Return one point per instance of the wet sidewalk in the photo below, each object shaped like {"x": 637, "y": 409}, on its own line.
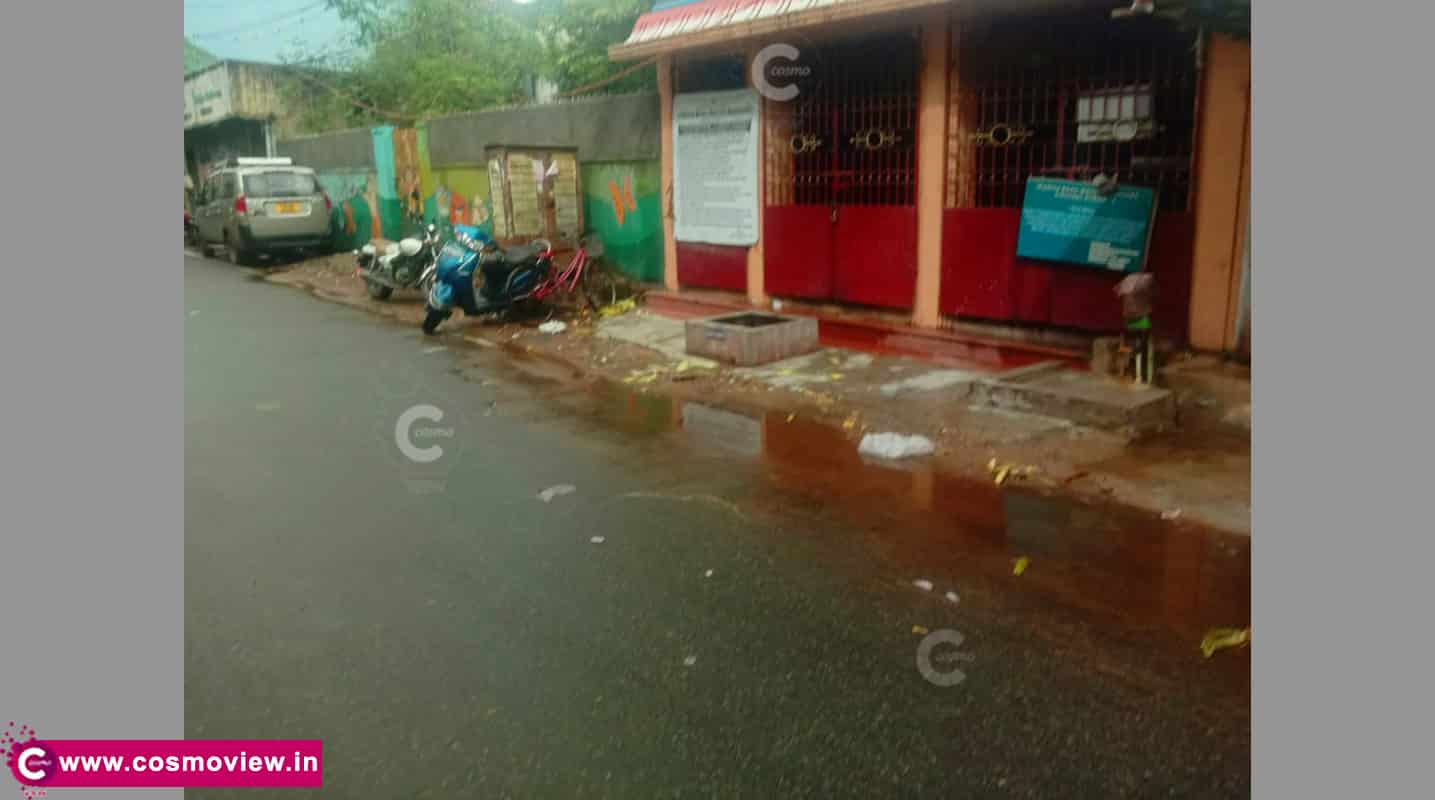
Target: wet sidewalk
{"x": 1063, "y": 432}
{"x": 1176, "y": 452}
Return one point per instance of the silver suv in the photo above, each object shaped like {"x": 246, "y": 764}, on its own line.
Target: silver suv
{"x": 254, "y": 206}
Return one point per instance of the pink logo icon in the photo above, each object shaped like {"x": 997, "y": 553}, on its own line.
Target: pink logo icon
{"x": 30, "y": 760}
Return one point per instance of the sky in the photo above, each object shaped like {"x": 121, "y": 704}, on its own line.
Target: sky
{"x": 263, "y": 30}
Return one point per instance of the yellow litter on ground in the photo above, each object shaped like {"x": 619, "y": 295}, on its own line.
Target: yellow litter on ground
{"x": 1019, "y": 566}
{"x": 618, "y": 308}
{"x": 647, "y": 375}
{"x": 1222, "y": 638}
{"x": 1001, "y": 472}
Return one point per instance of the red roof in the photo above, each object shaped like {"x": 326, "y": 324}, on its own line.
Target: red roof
{"x": 680, "y": 17}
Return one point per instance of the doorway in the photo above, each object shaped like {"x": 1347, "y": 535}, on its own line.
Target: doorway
{"x": 841, "y": 216}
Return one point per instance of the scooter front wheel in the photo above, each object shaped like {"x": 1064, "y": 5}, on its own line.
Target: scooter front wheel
{"x": 433, "y": 319}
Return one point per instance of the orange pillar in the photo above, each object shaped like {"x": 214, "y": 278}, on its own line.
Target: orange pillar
{"x": 665, "y": 101}
{"x": 931, "y": 166}
{"x": 1240, "y": 251}
{"x": 1221, "y": 182}
{"x": 755, "y": 292}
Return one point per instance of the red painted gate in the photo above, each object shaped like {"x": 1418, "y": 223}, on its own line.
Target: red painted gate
{"x": 841, "y": 220}
{"x": 1071, "y": 95}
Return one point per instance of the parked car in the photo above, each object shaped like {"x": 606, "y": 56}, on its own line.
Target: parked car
{"x": 261, "y": 206}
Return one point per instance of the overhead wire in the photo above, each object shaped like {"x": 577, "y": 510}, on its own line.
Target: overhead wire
{"x": 225, "y": 32}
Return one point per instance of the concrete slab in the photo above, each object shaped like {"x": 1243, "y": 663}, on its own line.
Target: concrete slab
{"x": 798, "y": 371}
{"x": 1031, "y": 372}
{"x": 667, "y": 336}
{"x": 1082, "y": 398}
{"x": 932, "y": 381}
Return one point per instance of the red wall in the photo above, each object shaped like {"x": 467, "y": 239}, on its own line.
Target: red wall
{"x": 711, "y": 266}
{"x": 982, "y": 278}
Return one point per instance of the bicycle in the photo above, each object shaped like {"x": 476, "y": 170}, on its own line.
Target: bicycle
{"x": 576, "y": 277}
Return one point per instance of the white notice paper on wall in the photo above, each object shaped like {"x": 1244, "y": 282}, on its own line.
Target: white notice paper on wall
{"x": 715, "y": 189}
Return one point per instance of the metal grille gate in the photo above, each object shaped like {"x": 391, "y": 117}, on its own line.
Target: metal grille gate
{"x": 841, "y": 168}
{"x": 1078, "y": 96}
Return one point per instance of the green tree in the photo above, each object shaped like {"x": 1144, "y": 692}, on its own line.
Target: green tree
{"x": 577, "y": 35}
{"x": 1231, "y": 17}
{"x": 196, "y": 57}
{"x": 413, "y": 59}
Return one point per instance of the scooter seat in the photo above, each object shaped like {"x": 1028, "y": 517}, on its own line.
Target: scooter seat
{"x": 521, "y": 255}
{"x": 410, "y": 247}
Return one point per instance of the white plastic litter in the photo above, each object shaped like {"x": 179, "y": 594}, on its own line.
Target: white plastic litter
{"x": 553, "y": 326}
{"x": 923, "y": 584}
{"x": 690, "y": 661}
{"x": 953, "y": 598}
{"x": 1170, "y": 515}
{"x": 551, "y": 492}
{"x": 598, "y": 540}
{"x": 708, "y": 574}
{"x": 895, "y": 445}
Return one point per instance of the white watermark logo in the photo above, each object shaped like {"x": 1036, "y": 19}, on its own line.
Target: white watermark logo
{"x": 406, "y": 434}
{"x": 927, "y": 658}
{"x": 765, "y": 68}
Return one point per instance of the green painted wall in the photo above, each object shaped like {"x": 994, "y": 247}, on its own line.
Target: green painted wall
{"x": 622, "y": 205}
{"x": 390, "y": 210}
{"x": 426, "y": 177}
{"x": 352, "y": 193}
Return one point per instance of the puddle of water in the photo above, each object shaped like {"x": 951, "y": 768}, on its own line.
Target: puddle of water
{"x": 1110, "y": 560}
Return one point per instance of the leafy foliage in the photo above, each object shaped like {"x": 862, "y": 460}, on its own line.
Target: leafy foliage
{"x": 414, "y": 59}
{"x": 196, "y": 57}
{"x": 1231, "y": 17}
{"x": 577, "y": 34}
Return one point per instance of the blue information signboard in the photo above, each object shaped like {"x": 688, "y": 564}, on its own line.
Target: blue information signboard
{"x": 1074, "y": 223}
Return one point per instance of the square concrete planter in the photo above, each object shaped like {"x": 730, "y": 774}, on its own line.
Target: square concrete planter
{"x": 750, "y": 338}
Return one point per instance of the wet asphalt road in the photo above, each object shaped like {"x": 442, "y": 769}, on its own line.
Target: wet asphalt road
{"x": 449, "y": 634}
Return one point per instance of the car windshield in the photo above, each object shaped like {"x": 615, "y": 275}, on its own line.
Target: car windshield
{"x": 280, "y": 184}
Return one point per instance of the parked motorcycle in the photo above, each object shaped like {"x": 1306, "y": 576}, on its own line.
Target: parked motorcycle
{"x": 509, "y": 277}
{"x": 409, "y": 264}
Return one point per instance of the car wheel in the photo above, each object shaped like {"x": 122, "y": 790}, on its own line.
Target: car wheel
{"x": 237, "y": 255}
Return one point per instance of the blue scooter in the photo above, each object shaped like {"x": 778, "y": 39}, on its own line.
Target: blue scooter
{"x": 509, "y": 276}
